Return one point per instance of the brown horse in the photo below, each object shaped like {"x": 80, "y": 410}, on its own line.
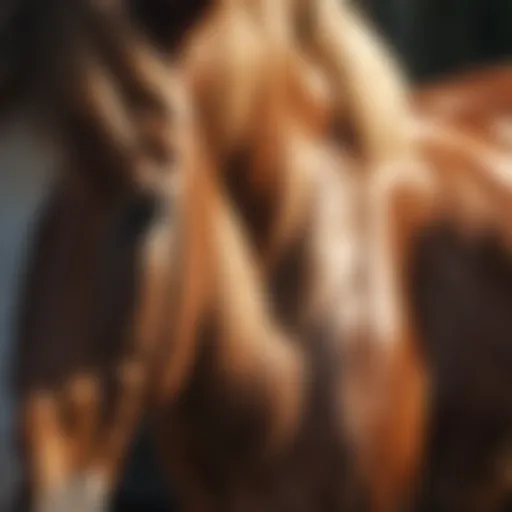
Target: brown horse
{"x": 308, "y": 376}
{"x": 274, "y": 315}
{"x": 92, "y": 101}
{"x": 64, "y": 392}
{"x": 302, "y": 385}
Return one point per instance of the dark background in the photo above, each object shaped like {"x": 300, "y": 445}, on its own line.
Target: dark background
{"x": 433, "y": 38}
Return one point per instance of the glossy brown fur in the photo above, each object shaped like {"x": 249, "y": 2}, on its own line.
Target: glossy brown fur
{"x": 94, "y": 115}
{"x": 263, "y": 400}
{"x": 244, "y": 431}
{"x": 224, "y": 464}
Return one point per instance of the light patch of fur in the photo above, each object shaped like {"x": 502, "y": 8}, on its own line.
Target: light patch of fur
{"x": 385, "y": 302}
{"x": 337, "y": 257}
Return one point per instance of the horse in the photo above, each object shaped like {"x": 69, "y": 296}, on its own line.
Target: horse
{"x": 88, "y": 97}
{"x": 297, "y": 114}
{"x": 310, "y": 380}
{"x": 266, "y": 266}
{"x": 55, "y": 393}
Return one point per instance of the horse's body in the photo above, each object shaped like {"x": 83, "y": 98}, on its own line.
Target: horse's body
{"x": 271, "y": 333}
{"x": 462, "y": 293}
{"x": 85, "y": 85}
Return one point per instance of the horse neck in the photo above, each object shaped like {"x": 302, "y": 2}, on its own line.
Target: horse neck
{"x": 268, "y": 312}
{"x": 257, "y": 215}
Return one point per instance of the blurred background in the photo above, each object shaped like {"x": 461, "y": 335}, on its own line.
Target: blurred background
{"x": 435, "y": 37}
{"x": 432, "y": 37}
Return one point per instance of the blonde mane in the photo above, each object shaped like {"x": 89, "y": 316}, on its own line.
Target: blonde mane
{"x": 242, "y": 41}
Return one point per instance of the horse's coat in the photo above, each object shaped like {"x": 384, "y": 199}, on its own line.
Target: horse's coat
{"x": 271, "y": 151}
{"x": 270, "y": 329}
